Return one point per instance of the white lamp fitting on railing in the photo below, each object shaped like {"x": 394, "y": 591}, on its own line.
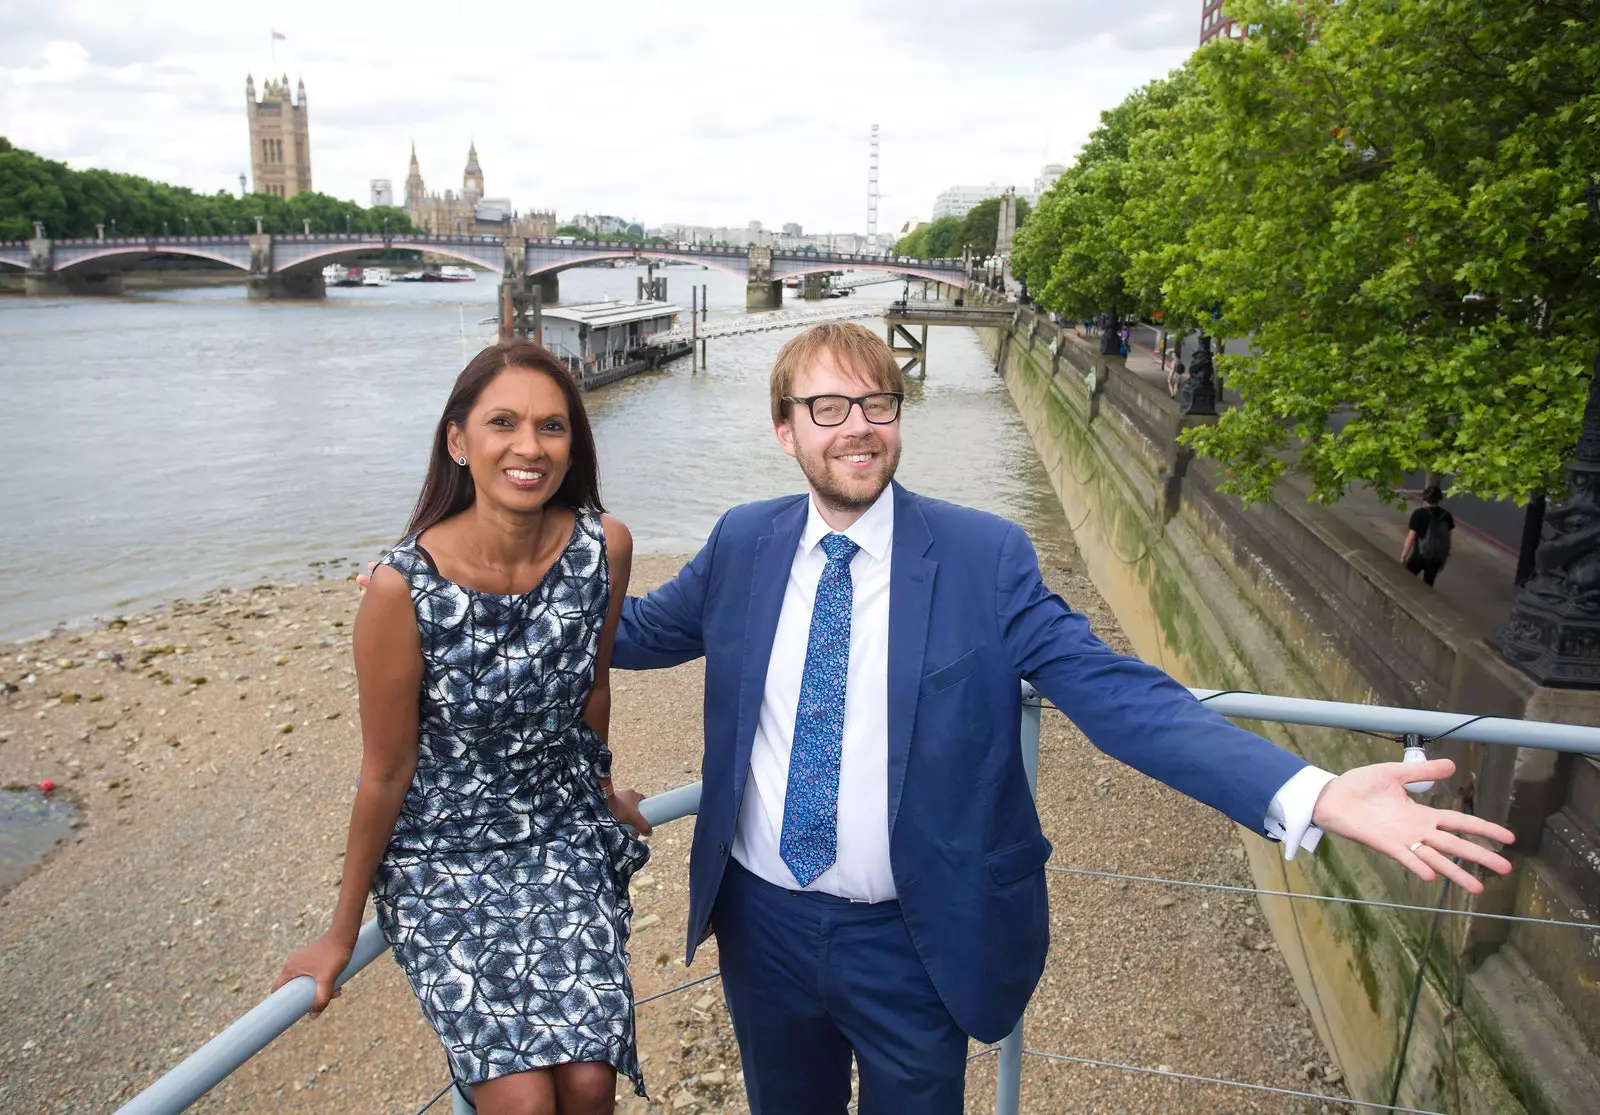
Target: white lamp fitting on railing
{"x": 1416, "y": 753}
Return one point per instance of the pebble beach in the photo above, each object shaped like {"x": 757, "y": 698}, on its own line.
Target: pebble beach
{"x": 211, "y": 748}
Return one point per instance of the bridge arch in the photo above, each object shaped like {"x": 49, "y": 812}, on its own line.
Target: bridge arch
{"x": 733, "y": 264}
{"x": 216, "y": 255}
{"x": 887, "y": 266}
{"x": 18, "y": 264}
{"x": 309, "y": 257}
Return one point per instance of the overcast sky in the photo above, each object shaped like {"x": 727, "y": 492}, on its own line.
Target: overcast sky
{"x": 704, "y": 112}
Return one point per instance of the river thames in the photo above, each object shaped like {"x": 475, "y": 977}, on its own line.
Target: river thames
{"x": 163, "y": 445}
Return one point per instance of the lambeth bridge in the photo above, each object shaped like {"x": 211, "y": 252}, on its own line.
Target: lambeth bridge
{"x": 290, "y": 266}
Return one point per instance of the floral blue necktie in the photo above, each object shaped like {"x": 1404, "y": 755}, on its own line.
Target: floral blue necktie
{"x": 810, "y": 839}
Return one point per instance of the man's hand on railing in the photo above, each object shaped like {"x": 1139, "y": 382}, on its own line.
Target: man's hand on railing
{"x": 1370, "y": 805}
{"x": 322, "y": 960}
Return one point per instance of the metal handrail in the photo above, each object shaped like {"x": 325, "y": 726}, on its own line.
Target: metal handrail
{"x": 218, "y": 1058}
{"x": 1389, "y": 719}
{"x": 258, "y": 1027}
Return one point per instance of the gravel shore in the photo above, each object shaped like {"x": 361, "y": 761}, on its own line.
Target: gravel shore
{"x": 212, "y": 747}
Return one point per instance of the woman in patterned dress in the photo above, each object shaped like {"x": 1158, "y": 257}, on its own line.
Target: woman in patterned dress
{"x": 485, "y": 825}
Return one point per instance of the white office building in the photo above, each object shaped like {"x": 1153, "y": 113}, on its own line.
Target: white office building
{"x": 382, "y": 191}
{"x": 958, "y": 201}
{"x": 1046, "y": 178}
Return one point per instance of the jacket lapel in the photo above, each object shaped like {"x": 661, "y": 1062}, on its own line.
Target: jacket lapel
{"x": 911, "y": 577}
{"x": 769, "y": 579}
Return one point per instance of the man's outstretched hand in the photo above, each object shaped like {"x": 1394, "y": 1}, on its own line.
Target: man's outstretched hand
{"x": 1371, "y": 806}
{"x": 365, "y": 579}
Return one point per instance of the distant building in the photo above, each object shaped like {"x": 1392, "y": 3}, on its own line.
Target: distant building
{"x": 792, "y": 229}
{"x": 1214, "y": 24}
{"x": 1046, "y": 178}
{"x": 601, "y": 224}
{"x": 382, "y": 192}
{"x": 469, "y": 213}
{"x": 280, "y": 138}
{"x": 958, "y": 201}
{"x": 913, "y": 225}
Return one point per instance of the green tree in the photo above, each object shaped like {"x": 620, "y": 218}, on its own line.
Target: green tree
{"x": 1391, "y": 209}
{"x": 71, "y": 203}
{"x": 1387, "y": 200}
{"x": 1075, "y": 255}
{"x": 948, "y": 237}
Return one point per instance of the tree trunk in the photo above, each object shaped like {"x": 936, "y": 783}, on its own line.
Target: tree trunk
{"x": 1111, "y": 340}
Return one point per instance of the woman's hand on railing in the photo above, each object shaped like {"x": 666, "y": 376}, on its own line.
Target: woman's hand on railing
{"x": 625, "y": 807}
{"x": 323, "y": 960}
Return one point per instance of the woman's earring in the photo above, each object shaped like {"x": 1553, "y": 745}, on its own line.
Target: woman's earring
{"x": 462, "y": 460}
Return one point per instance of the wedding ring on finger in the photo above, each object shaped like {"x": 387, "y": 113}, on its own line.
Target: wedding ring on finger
{"x": 1414, "y": 847}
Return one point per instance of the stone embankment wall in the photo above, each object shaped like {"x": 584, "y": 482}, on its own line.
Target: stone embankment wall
{"x": 1285, "y": 598}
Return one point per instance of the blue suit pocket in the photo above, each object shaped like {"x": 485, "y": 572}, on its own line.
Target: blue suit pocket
{"x": 946, "y": 676}
{"x": 1018, "y": 861}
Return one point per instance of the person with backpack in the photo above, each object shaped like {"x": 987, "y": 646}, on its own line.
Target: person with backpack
{"x": 1427, "y": 545}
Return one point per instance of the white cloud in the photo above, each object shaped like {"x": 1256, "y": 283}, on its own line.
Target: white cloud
{"x": 713, "y": 113}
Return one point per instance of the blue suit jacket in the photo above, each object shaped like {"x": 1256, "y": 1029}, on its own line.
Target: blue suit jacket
{"x": 969, "y": 615}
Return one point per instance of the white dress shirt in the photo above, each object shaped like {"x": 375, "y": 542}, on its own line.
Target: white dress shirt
{"x": 860, "y": 869}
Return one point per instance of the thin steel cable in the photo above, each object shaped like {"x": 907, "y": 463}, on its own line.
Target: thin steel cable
{"x": 437, "y": 1096}
{"x": 1588, "y": 925}
{"x": 675, "y": 990}
{"x": 1225, "y": 1083}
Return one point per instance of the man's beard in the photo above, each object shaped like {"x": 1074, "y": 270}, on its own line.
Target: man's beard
{"x": 835, "y": 490}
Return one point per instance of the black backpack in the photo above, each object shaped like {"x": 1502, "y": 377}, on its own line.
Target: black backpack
{"x": 1433, "y": 544}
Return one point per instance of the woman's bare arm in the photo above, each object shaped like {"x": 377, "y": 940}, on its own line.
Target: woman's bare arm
{"x": 388, "y": 655}
{"x": 597, "y": 712}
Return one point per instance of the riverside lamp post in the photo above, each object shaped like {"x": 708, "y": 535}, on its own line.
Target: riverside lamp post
{"x": 1553, "y": 634}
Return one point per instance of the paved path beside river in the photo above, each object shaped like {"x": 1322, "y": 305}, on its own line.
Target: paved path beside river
{"x": 213, "y": 747}
{"x": 1478, "y": 583}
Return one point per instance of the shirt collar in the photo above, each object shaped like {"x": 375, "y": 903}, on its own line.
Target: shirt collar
{"x": 873, "y": 532}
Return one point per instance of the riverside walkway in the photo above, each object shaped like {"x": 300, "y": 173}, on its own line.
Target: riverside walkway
{"x": 1477, "y": 583}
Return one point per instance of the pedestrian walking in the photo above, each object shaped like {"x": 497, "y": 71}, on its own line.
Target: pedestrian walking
{"x": 1427, "y": 545}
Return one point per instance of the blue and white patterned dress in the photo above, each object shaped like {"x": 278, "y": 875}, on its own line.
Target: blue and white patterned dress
{"x": 504, "y": 889}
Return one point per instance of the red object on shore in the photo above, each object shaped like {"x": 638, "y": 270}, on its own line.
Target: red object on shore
{"x": 47, "y": 786}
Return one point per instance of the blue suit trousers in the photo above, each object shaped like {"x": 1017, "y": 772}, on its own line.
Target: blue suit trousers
{"x": 811, "y": 979}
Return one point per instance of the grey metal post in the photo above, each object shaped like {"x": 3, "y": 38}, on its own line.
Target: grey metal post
{"x": 1008, "y": 1072}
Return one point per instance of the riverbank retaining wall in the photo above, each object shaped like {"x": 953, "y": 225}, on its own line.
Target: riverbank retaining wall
{"x": 1285, "y": 598}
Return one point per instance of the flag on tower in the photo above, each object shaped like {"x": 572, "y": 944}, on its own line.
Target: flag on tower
{"x": 279, "y": 36}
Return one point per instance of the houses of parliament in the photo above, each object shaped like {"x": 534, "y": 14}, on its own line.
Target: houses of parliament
{"x": 471, "y": 212}
{"x": 280, "y": 159}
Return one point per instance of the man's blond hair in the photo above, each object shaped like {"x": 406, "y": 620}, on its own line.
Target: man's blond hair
{"x": 855, "y": 349}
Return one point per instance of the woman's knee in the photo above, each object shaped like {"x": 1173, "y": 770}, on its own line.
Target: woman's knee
{"x": 522, "y": 1093}
{"x": 586, "y": 1088}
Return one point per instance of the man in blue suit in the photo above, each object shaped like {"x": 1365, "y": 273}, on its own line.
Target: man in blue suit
{"x": 867, "y": 851}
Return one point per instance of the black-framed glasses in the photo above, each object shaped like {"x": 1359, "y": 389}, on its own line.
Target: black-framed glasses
{"x": 880, "y": 408}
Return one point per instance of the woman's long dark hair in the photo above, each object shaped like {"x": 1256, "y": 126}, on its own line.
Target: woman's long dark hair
{"x": 449, "y": 490}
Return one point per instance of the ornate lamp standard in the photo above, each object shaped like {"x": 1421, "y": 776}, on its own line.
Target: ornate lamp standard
{"x": 1553, "y": 634}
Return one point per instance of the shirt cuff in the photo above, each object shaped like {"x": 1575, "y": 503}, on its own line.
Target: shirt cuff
{"x": 1289, "y": 816}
